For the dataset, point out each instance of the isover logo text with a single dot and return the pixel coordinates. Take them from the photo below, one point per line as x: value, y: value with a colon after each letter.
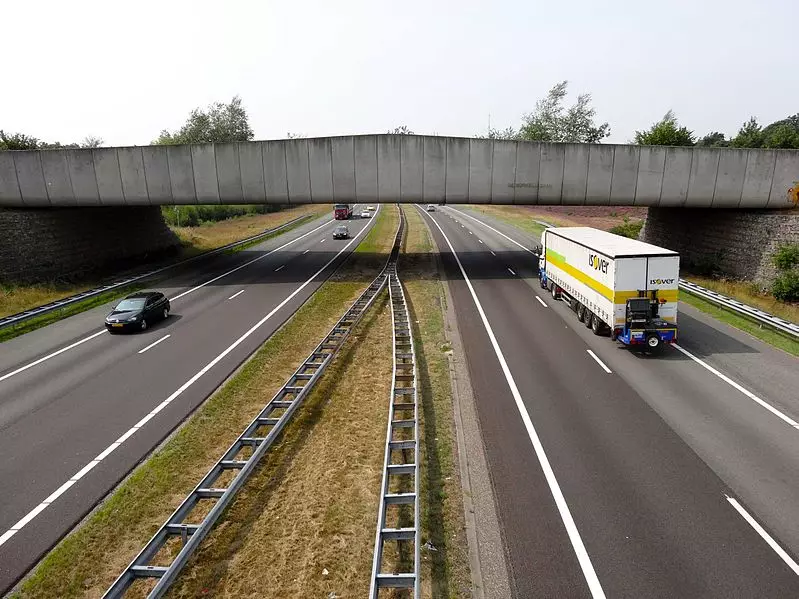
x: 661, y: 281
x: 598, y: 263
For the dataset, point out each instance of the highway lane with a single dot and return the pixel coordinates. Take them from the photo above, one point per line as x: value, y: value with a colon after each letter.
x: 753, y: 450
x: 59, y: 416
x: 651, y: 518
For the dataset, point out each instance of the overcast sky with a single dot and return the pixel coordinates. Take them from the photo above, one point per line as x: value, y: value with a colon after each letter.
x: 125, y: 70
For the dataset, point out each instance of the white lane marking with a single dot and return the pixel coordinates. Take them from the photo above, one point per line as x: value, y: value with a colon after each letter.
x: 480, y: 240
x: 470, y: 233
x: 269, y: 253
x: 560, y: 501
x: 540, y: 301
x: 281, y: 267
x: 323, y: 240
x: 492, y: 252
x: 510, y: 270
x: 766, y: 537
x: 787, y: 419
x: 164, y: 338
x: 98, y: 333
x: 111, y: 448
x: 237, y: 294
x: 494, y: 230
x: 595, y: 357
x: 305, y: 252
x: 48, y: 356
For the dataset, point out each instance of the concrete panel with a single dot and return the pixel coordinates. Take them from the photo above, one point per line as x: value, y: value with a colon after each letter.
x: 651, y: 163
x: 551, y: 175
x: 297, y: 171
x: 84, y: 181
x: 481, y: 156
x: 730, y: 178
x: 435, y: 169
x: 181, y: 175
x: 109, y: 179
x: 676, y: 174
x: 251, y: 165
x: 228, y: 172
x: 321, y: 170
x: 275, y: 172
x: 786, y: 176
x: 389, y: 168
x: 412, y: 168
x: 758, y: 178
x: 575, y: 173
x: 457, y: 179
x: 56, y: 176
x: 31, y: 178
x: 600, y: 175
x: 343, y: 150
x: 206, y: 184
x: 156, y: 172
x: 528, y: 166
x: 9, y: 188
x: 704, y: 169
x: 625, y: 175
x: 134, y: 182
x: 503, y: 170
x: 365, y: 168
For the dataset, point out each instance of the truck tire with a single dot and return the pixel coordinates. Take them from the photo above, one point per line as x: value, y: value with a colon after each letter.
x: 596, y: 325
x: 653, y: 344
x: 589, y: 318
x: 581, y: 312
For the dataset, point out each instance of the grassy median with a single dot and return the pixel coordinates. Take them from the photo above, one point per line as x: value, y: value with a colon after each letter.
x: 87, y: 561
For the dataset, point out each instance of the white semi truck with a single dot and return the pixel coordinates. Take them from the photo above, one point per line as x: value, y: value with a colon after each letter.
x: 617, y: 285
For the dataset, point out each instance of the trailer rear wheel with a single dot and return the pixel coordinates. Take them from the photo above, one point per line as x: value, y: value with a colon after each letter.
x: 653, y: 343
x: 596, y: 325
x: 581, y: 312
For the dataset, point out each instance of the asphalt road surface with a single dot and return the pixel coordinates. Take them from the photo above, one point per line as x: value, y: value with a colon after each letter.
x: 79, y: 408
x: 617, y: 474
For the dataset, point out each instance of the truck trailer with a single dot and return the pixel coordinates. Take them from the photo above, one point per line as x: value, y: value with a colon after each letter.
x: 616, y: 285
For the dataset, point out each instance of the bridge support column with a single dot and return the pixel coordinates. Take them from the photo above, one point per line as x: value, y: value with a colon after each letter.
x: 739, y: 243
x: 64, y: 243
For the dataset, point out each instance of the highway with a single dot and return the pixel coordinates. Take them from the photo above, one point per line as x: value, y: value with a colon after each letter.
x: 79, y: 408
x: 617, y: 474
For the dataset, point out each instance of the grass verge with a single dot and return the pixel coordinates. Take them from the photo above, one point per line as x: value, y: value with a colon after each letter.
x: 751, y: 294
x: 15, y: 299
x: 512, y: 216
x: 445, y: 571
x: 88, y: 560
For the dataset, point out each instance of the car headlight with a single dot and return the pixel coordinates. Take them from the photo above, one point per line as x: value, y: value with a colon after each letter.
x: 133, y: 318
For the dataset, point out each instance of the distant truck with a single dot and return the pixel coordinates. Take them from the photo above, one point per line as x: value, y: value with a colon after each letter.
x: 342, y: 211
x: 616, y: 285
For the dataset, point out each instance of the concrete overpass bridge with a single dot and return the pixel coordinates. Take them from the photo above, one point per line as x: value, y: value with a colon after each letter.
x: 734, y: 194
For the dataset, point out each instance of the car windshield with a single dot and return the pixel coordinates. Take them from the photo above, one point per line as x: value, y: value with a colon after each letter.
x: 341, y: 229
x: 130, y: 304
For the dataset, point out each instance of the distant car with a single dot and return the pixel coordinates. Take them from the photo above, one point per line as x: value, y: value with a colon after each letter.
x: 138, y: 311
x: 366, y: 214
x: 341, y: 232
x: 372, y: 208
x: 431, y: 208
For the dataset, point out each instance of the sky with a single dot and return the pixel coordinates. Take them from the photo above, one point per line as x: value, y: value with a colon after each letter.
x: 123, y: 71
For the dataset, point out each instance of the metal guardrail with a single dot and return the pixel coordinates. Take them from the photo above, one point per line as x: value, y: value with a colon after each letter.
x: 15, y: 319
x: 755, y: 314
x: 256, y: 440
x: 398, y: 519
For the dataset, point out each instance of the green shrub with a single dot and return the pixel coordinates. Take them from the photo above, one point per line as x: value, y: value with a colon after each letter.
x: 786, y: 257
x: 786, y: 286
x: 629, y: 228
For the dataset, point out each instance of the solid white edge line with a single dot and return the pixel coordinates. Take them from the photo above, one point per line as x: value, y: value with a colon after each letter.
x: 492, y: 228
x: 542, y: 302
x: 53, y: 355
x: 164, y: 338
x: 235, y: 295
x: 108, y: 450
x: 560, y: 501
x: 787, y: 419
x: 510, y: 270
x: 766, y: 537
x: 98, y: 333
x: 598, y: 361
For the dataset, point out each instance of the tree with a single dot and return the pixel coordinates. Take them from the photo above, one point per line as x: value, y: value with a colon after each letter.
x: 90, y: 141
x: 666, y: 132
x: 290, y: 135
x: 18, y: 141
x: 401, y: 130
x: 714, y: 140
x: 508, y: 133
x: 220, y: 123
x: 782, y: 136
x: 550, y: 121
x: 750, y: 135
